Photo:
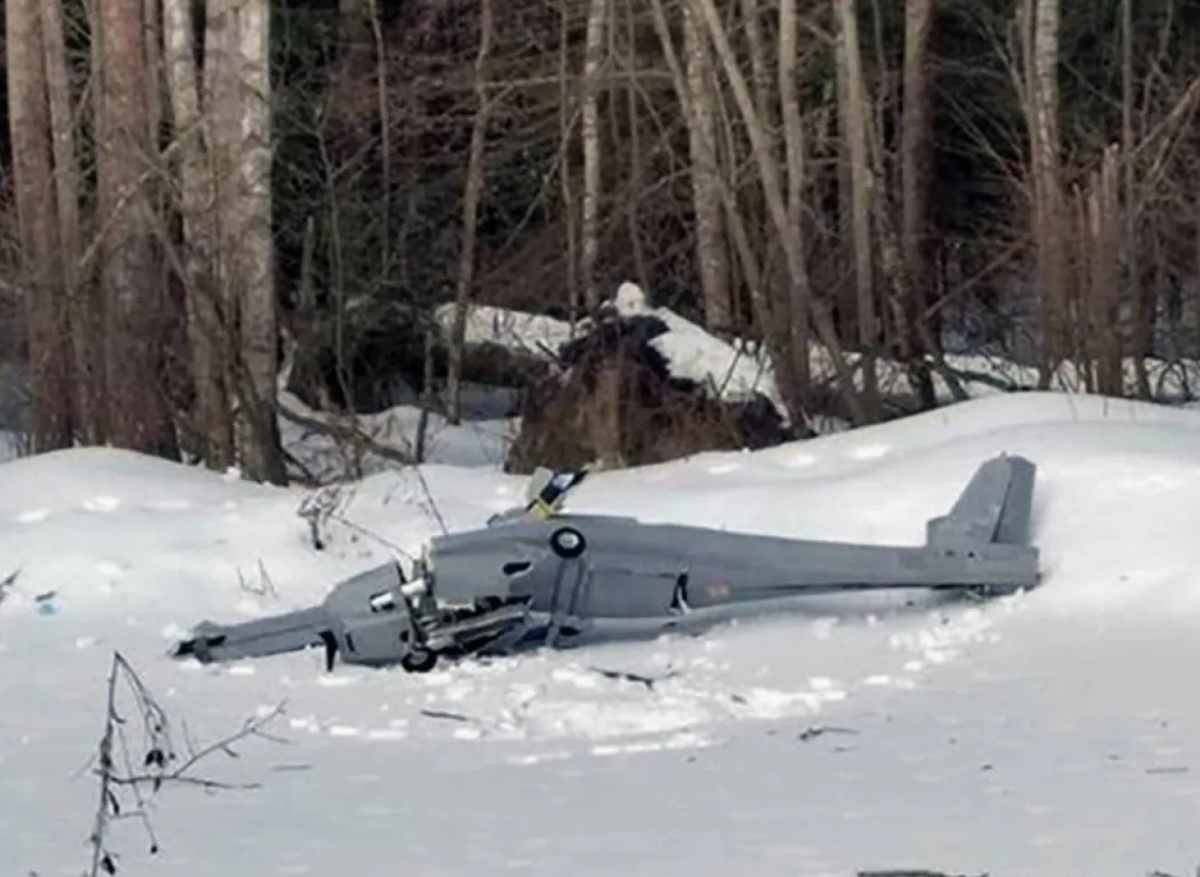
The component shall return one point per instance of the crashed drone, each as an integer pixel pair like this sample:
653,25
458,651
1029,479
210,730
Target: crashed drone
536,576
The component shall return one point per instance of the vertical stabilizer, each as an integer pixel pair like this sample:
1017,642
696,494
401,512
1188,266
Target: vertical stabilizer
995,507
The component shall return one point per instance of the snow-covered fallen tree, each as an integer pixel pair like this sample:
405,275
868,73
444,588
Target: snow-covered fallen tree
739,371
630,384
729,372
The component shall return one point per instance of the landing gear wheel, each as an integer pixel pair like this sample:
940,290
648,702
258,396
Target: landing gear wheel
568,543
419,661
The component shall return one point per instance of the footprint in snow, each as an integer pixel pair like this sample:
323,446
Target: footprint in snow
33,516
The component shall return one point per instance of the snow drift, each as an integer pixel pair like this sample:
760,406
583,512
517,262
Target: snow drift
1051,732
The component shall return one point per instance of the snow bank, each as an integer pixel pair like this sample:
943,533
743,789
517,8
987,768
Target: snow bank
1051,732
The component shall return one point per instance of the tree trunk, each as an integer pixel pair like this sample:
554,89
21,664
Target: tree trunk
257,424
566,126
590,232
134,305
916,161
81,300
1041,92
794,153
706,178
854,116
472,192
756,48
50,372
1130,215
212,420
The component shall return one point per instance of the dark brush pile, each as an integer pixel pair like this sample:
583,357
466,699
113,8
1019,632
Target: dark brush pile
614,400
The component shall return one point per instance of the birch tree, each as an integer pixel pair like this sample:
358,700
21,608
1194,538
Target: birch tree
1040,27
223,130
212,413
253,250
593,63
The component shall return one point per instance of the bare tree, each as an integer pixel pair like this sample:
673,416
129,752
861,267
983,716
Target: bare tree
711,251
770,180
756,49
257,424
1041,46
83,310
472,192
205,311
916,166
130,275
1129,228
43,283
593,62
795,157
854,113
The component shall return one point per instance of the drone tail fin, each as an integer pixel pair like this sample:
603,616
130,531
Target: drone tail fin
996,507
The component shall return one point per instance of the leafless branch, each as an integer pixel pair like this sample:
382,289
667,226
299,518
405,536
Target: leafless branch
141,767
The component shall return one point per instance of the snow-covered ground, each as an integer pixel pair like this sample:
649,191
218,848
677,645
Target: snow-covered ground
1057,732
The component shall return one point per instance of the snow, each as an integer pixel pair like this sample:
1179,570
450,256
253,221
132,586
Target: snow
1052,732
730,371
394,432
532,334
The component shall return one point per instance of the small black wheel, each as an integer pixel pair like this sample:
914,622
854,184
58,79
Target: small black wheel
567,543
419,661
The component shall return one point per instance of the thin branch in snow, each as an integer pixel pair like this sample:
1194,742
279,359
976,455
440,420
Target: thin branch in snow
820,730
264,588
625,676
6,584
447,715
371,534
137,758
